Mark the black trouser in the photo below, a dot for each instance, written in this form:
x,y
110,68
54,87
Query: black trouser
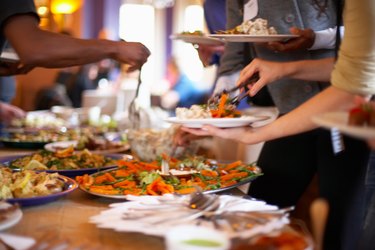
x,y
290,163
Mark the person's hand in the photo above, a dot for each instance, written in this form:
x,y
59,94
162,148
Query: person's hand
x,y
205,52
241,134
182,138
11,68
303,42
9,112
268,72
132,53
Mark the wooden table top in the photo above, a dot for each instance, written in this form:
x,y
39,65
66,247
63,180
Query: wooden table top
x,y
68,218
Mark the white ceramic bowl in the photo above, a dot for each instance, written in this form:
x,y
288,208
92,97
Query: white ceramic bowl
x,y
190,237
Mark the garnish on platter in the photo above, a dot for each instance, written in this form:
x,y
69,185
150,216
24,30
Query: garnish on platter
x,y
145,178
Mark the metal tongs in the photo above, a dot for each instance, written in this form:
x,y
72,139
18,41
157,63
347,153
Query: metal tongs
x,y
133,110
237,99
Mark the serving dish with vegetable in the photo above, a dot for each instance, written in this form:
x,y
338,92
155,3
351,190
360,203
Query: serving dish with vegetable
x,y
134,177
65,162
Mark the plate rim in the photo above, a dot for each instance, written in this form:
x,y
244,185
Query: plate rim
x,y
252,38
242,121
38,200
16,216
205,37
350,130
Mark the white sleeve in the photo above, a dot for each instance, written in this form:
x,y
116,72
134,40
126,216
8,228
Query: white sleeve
x,y
326,39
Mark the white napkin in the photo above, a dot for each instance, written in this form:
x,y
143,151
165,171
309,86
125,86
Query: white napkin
x,y
17,242
171,206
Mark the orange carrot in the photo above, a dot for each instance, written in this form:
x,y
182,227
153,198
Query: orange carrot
x,y
209,173
187,190
125,183
221,106
233,176
233,165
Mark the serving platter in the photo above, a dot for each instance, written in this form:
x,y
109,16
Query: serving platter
x,y
218,122
126,197
339,121
144,178
69,186
253,38
7,160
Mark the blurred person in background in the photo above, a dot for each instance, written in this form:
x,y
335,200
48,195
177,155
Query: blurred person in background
x,y
183,92
215,17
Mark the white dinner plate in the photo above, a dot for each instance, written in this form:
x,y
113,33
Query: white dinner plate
x,y
218,122
11,218
9,56
252,38
59,145
198,39
339,120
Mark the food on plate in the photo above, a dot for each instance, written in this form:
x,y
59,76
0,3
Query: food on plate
x,y
28,183
93,143
257,27
362,115
39,119
147,144
90,142
144,178
42,136
195,33
66,159
220,108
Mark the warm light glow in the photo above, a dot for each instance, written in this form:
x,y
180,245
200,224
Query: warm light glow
x,y
194,18
42,10
65,6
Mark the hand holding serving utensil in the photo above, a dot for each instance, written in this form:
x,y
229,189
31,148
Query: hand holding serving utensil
x,y
237,99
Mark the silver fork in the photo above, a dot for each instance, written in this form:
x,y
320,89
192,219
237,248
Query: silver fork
x,y
134,114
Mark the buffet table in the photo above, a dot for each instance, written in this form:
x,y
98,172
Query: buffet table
x,y
68,218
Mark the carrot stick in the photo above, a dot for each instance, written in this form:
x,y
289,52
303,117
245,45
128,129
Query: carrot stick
x,y
233,176
186,190
233,165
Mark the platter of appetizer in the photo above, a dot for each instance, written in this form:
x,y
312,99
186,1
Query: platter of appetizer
x,y
181,176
